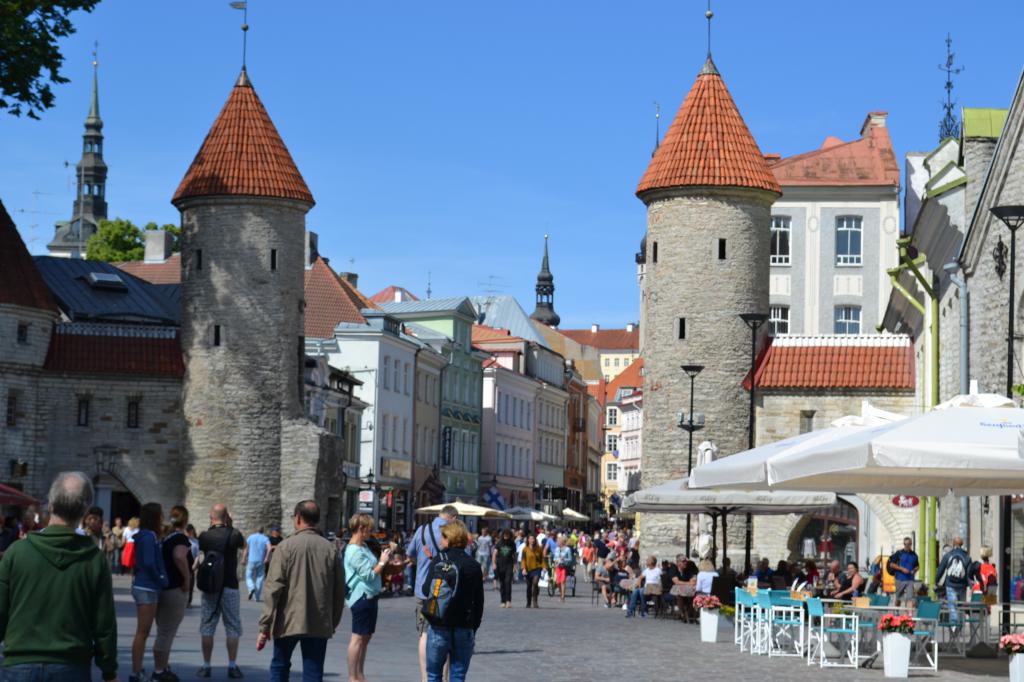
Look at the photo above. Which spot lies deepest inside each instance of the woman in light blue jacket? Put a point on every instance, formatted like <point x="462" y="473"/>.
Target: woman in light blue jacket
<point x="362" y="580"/>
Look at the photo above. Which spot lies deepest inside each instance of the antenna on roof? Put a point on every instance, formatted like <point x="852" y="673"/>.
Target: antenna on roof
<point x="493" y="285"/>
<point x="948" y="127"/>
<point x="244" y="6"/>
<point x="657" y="127"/>
<point x="709" y="15"/>
<point x="429" y="290"/>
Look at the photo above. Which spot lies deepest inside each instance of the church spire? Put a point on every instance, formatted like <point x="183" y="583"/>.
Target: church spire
<point x="545" y="310"/>
<point x="94" y="105"/>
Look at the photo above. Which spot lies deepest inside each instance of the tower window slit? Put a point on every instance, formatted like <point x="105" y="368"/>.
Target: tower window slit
<point x="654" y="252"/>
<point x="216" y="334"/>
<point x="199" y="259"/>
<point x="682" y="327"/>
<point x="721" y="249"/>
<point x="273" y="259"/>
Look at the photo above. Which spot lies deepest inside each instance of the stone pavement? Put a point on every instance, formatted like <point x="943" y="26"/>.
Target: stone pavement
<point x="557" y="643"/>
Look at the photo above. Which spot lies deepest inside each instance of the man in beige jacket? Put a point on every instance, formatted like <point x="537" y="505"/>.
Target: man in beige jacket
<point x="303" y="597"/>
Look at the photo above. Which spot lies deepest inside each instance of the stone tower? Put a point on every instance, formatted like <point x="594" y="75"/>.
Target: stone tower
<point x="708" y="192"/>
<point x="544" y="312"/>
<point x="243" y="209"/>
<point x="90" y="205"/>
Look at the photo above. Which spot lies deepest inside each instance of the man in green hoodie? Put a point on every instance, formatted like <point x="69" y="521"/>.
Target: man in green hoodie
<point x="56" y="596"/>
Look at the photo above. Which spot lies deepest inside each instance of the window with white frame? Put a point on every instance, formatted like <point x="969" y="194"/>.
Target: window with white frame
<point x="780" y="240"/>
<point x="613" y="416"/>
<point x="385" y="379"/>
<point x="611" y="471"/>
<point x="848" y="240"/>
<point x="613" y="443"/>
<point x="384" y="432"/>
<point x="398" y="375"/>
<point x="778" y="318"/>
<point x="847" y="319"/>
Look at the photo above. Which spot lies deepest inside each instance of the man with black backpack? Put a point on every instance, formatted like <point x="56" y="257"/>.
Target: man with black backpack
<point x="955" y="567"/>
<point x="217" y="579"/>
<point x="423" y="547"/>
<point x="454" y="606"/>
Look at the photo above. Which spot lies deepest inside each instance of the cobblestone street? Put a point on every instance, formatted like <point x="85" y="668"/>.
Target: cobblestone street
<point x="558" y="643"/>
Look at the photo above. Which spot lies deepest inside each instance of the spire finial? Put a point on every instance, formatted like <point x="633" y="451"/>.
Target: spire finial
<point x="948" y="126"/>
<point x="94" y="104"/>
<point x="244" y="6"/>
<point x="709" y="15"/>
<point x="657" y="128"/>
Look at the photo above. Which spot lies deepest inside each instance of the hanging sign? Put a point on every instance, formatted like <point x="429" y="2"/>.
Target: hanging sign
<point x="906" y="501"/>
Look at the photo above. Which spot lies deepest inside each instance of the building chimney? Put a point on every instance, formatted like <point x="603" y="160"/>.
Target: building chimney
<point x="594" y="328"/>
<point x="398" y="296"/>
<point x="350" y="277"/>
<point x="158" y="246"/>
<point x="311" y="248"/>
<point x="875" y="119"/>
<point x="630" y="327"/>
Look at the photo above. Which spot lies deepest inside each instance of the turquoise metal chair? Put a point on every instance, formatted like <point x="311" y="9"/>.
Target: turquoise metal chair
<point x="878" y="599"/>
<point x="823" y="626"/>
<point x="786" y="625"/>
<point x="926" y="626"/>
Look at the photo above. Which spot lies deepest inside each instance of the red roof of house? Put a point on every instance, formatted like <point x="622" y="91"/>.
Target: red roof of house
<point x="867" y="161"/>
<point x="483" y="333"/>
<point x="708" y="144"/>
<point x="167" y="272"/>
<point x="631" y="377"/>
<point x="866" y="361"/>
<point x="330" y="300"/>
<point x="20" y="281"/>
<point x="387" y="295"/>
<point x="243" y="154"/>
<point x="112" y="354"/>
<point x="606" y="339"/>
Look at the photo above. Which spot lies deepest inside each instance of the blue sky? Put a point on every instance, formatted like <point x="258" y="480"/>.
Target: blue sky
<point x="449" y="137"/>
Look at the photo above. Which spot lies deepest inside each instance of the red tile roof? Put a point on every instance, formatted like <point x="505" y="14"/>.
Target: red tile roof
<point x="114" y="354"/>
<point x="330" y="300"/>
<point x="20" y="281"/>
<point x="631" y="377"/>
<point x="606" y="339"/>
<point x="827" y="362"/>
<point x="168" y="272"/>
<point x="243" y="154"/>
<point x="483" y="333"/>
<point x="708" y="144"/>
<point x="387" y="295"/>
<point x="867" y="161"/>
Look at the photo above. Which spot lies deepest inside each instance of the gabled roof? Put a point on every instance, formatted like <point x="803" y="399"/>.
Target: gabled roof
<point x="505" y="312"/>
<point x="485" y="334"/>
<point x="389" y="294"/>
<point x="606" y="339"/>
<point x="168" y="272"/>
<point x="868" y="361"/>
<point x="126" y="299"/>
<point x="629" y="378"/>
<point x="115" y="349"/>
<point x="243" y="154"/>
<point x="330" y="300"/>
<point x="708" y="144"/>
<point x="20" y="281"/>
<point x="457" y="304"/>
<point x="867" y="161"/>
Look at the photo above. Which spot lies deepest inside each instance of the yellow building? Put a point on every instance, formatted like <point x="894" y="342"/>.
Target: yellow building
<point x="629" y="380"/>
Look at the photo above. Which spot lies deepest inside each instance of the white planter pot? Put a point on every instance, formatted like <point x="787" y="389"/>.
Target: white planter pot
<point x="1017" y="668"/>
<point x="708" y="625"/>
<point x="896" y="654"/>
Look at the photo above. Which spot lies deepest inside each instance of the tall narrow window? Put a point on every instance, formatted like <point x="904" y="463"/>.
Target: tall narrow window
<point x="848" y="240"/>
<point x="216" y="334"/>
<point x="780" y="240"/>
<point x="22" y="333"/>
<point x="199" y="259"/>
<point x="682" y="327"/>
<point x="83" y="411"/>
<point x="778" y="318"/>
<point x="847" y="319"/>
<point x="806" y="421"/>
<point x="721" y="249"/>
<point x="132" y="417"/>
<point x="654" y="252"/>
<point x="12" y="409"/>
<point x="273" y="259"/>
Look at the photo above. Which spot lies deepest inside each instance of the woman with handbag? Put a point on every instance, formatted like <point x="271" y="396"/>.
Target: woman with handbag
<point x="149" y="577"/>
<point x="128" y="548"/>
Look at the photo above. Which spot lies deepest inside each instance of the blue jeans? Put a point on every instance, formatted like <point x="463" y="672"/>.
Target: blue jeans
<point x="45" y="672"/>
<point x="953" y="595"/>
<point x="445" y="643"/>
<point x="314" y="649"/>
<point x="635" y="598"/>
<point x="255" y="573"/>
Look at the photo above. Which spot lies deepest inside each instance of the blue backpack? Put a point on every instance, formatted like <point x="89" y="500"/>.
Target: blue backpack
<point x="441" y="587"/>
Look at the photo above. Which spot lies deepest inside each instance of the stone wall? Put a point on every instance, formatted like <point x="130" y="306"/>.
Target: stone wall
<point x="689" y="280"/>
<point x="311" y="468"/>
<point x="779" y="413"/>
<point x="236" y="394"/>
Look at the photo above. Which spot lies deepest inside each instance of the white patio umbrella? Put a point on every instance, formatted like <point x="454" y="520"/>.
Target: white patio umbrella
<point x="527" y="514"/>
<point x="465" y="509"/>
<point x="967" y="450"/>
<point x="573" y="515"/>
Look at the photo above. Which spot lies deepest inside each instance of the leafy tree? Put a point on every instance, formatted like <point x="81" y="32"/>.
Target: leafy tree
<point x="29" y="30"/>
<point x="120" y="240"/>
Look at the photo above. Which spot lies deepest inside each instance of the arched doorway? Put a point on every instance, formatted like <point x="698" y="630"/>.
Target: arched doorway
<point x="827" y="534"/>
<point x="111" y="494"/>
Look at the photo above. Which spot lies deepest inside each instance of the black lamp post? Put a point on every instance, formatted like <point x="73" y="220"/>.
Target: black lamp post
<point x="1012" y="217"/>
<point x="688" y="424"/>
<point x="754" y="321"/>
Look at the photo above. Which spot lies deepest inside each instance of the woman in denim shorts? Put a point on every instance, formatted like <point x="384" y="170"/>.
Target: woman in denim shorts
<point x="149" y="578"/>
<point x="362" y="579"/>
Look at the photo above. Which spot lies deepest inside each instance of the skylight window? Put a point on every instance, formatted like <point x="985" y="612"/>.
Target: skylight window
<point x="106" y="280"/>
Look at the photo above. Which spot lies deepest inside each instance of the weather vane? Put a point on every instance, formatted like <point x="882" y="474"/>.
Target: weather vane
<point x="710" y="15"/>
<point x="244" y="6"/>
<point x="948" y="126"/>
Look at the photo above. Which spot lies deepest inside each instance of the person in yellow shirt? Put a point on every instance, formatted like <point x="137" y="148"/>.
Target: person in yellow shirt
<point x="533" y="564"/>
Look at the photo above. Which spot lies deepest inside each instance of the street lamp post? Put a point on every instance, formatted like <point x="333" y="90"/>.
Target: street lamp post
<point x="1012" y="217"/>
<point x="688" y="424"/>
<point x="754" y="321"/>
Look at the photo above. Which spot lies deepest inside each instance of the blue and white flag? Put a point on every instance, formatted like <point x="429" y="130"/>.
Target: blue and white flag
<point x="494" y="499"/>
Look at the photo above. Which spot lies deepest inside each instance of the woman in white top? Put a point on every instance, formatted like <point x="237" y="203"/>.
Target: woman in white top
<point x="705" y="576"/>
<point x="651" y="575"/>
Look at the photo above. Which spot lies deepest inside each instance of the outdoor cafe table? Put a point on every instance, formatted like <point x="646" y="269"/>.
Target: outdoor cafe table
<point x="872" y="614"/>
<point x="975" y="614"/>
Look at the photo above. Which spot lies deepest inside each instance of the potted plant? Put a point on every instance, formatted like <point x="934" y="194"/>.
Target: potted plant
<point x="1013" y="646"/>
<point x="896" y="633"/>
<point x="709" y="606"/>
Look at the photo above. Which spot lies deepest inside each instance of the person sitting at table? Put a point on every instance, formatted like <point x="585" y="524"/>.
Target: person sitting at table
<point x="832" y="578"/>
<point x="781" y="578"/>
<point x="728" y="575"/>
<point x="603" y="580"/>
<point x="650" y="575"/>
<point x="875" y="573"/>
<point x="705" y="577"/>
<point x="811" y="575"/>
<point x="850" y="583"/>
<point x="622" y="577"/>
<point x="684" y="586"/>
<point x="763" y="572"/>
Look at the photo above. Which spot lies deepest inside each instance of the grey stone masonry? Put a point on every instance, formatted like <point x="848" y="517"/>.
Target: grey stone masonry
<point x="241" y="332"/>
<point x="688" y="279"/>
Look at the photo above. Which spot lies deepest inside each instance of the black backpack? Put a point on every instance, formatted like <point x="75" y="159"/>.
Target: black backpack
<point x="441" y="587"/>
<point x="210" y="576"/>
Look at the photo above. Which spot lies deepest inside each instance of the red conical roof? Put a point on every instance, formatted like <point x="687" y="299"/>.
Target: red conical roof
<point x="708" y="144"/>
<point x="20" y="281"/>
<point x="243" y="154"/>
